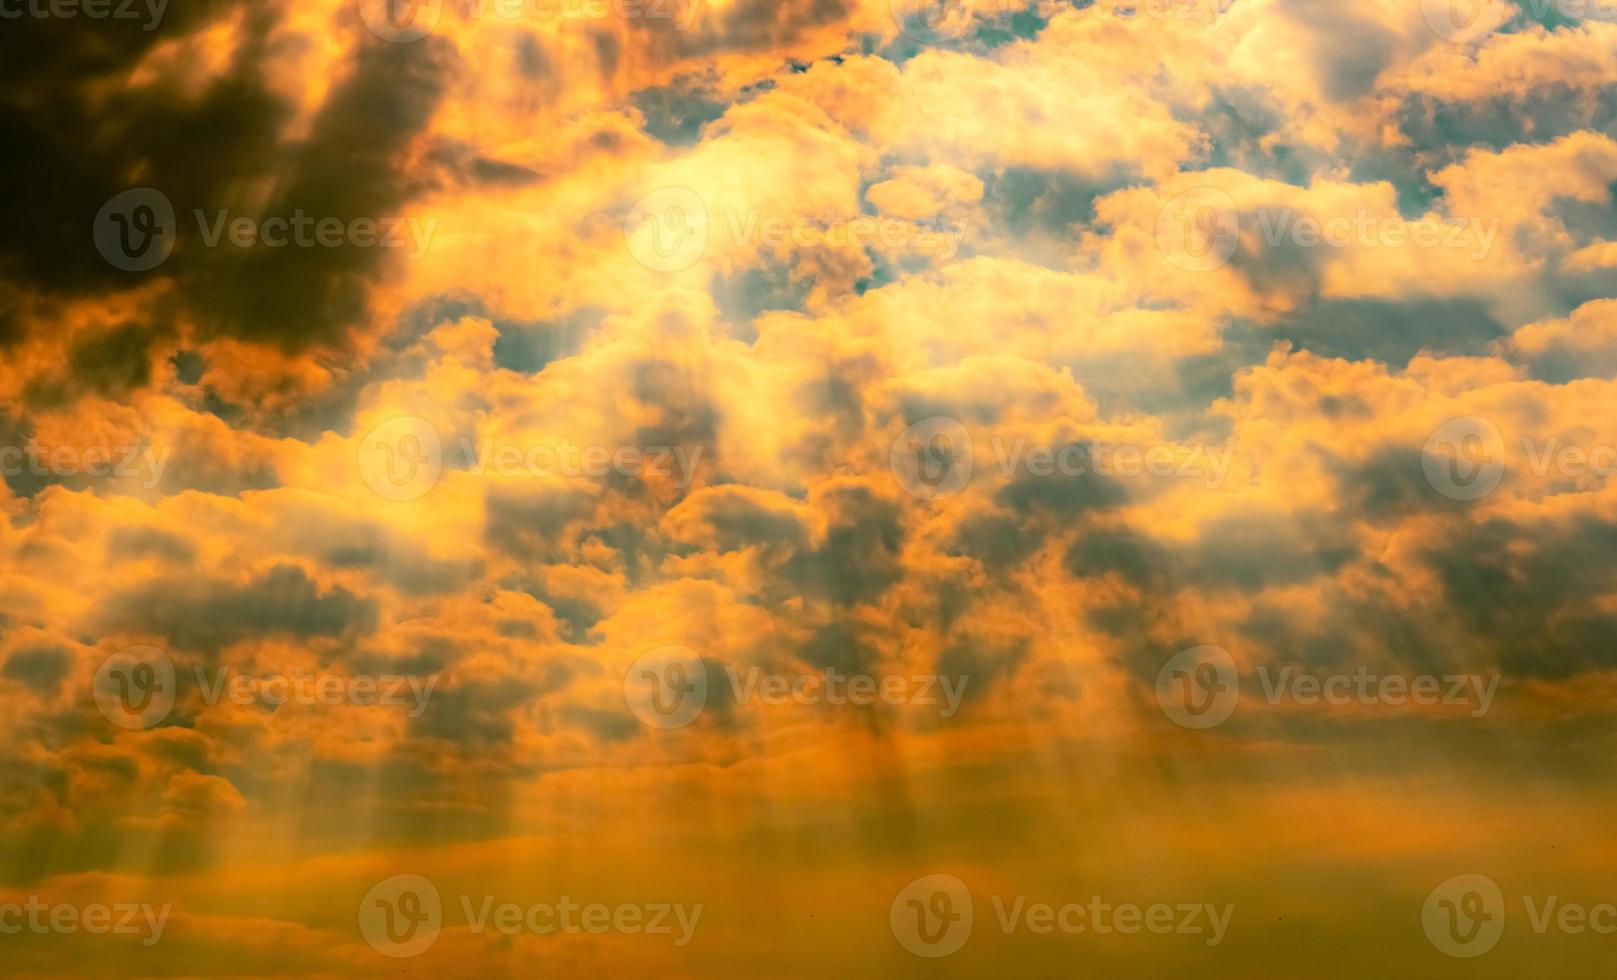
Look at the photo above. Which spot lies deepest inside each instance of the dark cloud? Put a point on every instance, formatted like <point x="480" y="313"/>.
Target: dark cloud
<point x="208" y="616"/>
<point x="675" y="114"/>
<point x="858" y="559"/>
<point x="135" y="543"/>
<point x="983" y="663"/>
<point x="529" y="346"/>
<point x="474" y="713"/>
<point x="350" y="167"/>
<point x="1390" y="331"/>
<point x="532" y="522"/>
<point x="1445" y="131"/>
<point x="1062" y="495"/>
<point x="40" y="668"/>
<point x="1531" y="594"/>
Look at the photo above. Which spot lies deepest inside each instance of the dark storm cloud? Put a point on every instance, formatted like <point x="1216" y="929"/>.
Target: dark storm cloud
<point x="983" y="663"/>
<point x="67" y="152"/>
<point x="675" y="114"/>
<point x="407" y="568"/>
<point x="76" y="135"/>
<point x="474" y="712"/>
<point x="209" y="616"/>
<point x="1028" y="201"/>
<point x="858" y="559"/>
<point x="1246" y="550"/>
<point x="1391" y="484"/>
<point x="575" y="615"/>
<point x="41" y="668"/>
<point x="1254" y="548"/>
<point x="1119" y="550"/>
<point x="528" y="346"/>
<point x="1531" y="594"/>
<point x="997" y="540"/>
<point x="532" y="523"/>
<point x="349" y="168"/>
<point x="1445" y="131"/>
<point x="1062" y="495"/>
<point x="1390" y="331"/>
<point x="738" y="521"/>
<point x="135" y="543"/>
<point x="838" y="646"/>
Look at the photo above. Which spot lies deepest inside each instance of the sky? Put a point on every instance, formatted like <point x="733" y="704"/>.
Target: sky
<point x="785" y="488"/>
